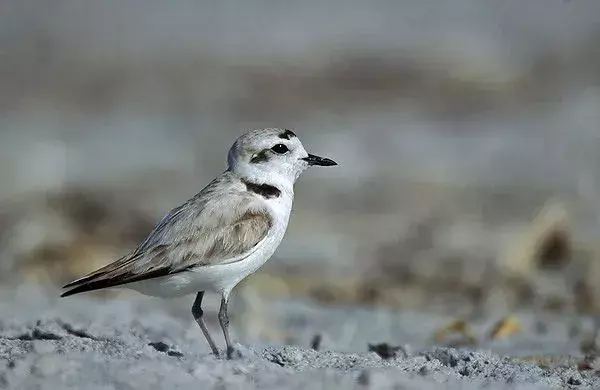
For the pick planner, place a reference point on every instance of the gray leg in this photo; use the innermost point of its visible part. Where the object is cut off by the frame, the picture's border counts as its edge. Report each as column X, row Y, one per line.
column 224, row 320
column 198, row 316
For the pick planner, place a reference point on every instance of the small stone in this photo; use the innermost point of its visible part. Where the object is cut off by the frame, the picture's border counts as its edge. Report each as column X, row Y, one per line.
column 174, row 353
column 386, row 351
column 573, row 381
column 316, row 342
column 159, row 346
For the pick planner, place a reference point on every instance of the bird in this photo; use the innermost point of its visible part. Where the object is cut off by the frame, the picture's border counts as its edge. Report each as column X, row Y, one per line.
column 221, row 235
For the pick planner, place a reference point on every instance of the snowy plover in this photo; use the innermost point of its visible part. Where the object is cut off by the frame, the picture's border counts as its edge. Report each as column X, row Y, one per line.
column 221, row 235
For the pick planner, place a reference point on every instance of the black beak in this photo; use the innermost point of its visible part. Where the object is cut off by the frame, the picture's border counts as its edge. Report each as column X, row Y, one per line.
column 316, row 160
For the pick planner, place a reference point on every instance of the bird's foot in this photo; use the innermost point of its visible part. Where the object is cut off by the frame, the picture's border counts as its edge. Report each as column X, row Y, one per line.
column 233, row 353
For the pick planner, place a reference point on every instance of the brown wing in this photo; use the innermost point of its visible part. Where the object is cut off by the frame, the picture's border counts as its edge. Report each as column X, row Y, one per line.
column 198, row 233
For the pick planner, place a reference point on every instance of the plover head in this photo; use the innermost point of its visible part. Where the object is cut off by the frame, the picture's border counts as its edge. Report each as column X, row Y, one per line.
column 272, row 155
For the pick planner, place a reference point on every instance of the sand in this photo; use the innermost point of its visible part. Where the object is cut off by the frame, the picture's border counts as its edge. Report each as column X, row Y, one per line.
column 88, row 343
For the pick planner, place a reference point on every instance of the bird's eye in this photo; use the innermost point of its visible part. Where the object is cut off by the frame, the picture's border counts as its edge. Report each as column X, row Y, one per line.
column 280, row 148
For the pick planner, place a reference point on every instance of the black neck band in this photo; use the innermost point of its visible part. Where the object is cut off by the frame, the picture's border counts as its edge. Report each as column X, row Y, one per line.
column 265, row 190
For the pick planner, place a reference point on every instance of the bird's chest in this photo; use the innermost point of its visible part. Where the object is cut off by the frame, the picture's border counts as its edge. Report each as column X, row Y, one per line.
column 280, row 212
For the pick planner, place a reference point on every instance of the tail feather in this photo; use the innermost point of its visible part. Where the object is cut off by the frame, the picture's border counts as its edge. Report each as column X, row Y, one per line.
column 97, row 282
column 80, row 289
column 104, row 271
column 82, row 280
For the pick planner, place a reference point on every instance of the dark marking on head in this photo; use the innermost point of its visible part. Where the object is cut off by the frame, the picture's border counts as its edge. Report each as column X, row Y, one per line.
column 259, row 157
column 265, row 190
column 287, row 134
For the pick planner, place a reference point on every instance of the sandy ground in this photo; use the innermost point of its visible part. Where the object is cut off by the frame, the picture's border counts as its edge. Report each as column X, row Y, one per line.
column 77, row 343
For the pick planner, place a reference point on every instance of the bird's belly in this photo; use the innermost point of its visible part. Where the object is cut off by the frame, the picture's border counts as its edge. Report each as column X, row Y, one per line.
column 169, row 286
column 220, row 278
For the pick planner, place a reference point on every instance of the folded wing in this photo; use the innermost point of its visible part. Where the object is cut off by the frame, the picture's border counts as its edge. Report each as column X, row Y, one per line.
column 212, row 228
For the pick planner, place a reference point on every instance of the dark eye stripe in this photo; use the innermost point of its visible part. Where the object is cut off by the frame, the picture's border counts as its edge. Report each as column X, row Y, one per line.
column 260, row 157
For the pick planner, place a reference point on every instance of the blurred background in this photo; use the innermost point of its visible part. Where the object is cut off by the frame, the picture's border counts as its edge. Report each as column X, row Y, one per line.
column 466, row 132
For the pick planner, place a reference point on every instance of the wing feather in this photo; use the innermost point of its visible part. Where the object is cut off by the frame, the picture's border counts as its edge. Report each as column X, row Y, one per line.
column 220, row 225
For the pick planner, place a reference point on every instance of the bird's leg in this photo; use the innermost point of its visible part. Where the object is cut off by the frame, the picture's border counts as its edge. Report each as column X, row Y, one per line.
column 224, row 321
column 198, row 316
